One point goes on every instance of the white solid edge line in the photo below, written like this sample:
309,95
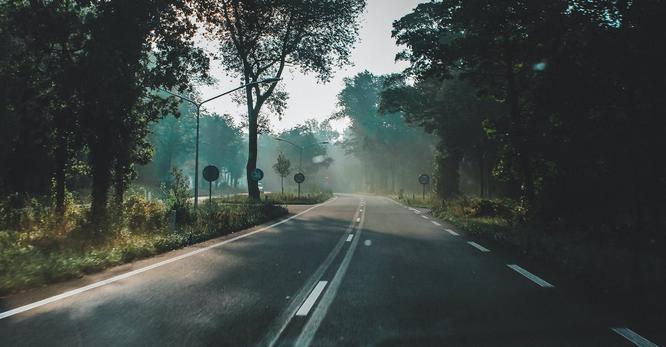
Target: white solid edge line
452,232
312,298
634,338
478,246
350,237
532,277
437,224
424,217
91,286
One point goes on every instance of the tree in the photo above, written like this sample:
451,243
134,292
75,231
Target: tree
379,140
259,38
451,110
283,168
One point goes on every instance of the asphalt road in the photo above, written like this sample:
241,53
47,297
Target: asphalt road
355,271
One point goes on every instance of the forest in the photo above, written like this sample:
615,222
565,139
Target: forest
544,116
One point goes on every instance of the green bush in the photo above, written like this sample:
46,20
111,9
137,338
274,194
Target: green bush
30,259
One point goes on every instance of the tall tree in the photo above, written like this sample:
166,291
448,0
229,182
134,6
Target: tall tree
260,38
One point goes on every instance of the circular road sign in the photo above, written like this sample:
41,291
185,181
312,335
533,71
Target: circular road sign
424,179
211,173
299,177
257,174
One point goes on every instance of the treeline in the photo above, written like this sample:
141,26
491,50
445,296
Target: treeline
78,91
391,153
222,143
560,101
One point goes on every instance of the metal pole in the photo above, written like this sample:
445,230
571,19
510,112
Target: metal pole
424,192
299,190
196,163
210,193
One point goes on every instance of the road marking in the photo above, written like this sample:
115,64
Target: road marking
358,220
310,329
532,277
113,279
478,246
280,323
437,224
424,217
634,338
452,232
350,237
312,298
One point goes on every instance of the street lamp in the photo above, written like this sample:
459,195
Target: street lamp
198,106
300,148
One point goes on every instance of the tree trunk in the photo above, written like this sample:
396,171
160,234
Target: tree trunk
252,185
60,167
282,184
518,138
101,182
448,176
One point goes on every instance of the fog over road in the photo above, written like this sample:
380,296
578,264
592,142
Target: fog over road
356,270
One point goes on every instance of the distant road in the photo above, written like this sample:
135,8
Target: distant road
354,271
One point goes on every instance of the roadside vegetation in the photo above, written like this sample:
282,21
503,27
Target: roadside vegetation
279,198
37,246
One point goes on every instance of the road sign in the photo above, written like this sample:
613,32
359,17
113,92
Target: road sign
211,173
299,178
257,174
424,179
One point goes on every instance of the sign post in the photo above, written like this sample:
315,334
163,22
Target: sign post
211,174
424,179
299,178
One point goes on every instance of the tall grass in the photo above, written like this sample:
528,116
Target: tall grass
37,247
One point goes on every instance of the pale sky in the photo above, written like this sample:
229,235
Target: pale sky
374,51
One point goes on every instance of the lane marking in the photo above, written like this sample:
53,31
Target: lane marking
532,277
437,224
113,279
358,220
634,338
312,298
478,246
350,237
424,217
280,323
310,329
452,232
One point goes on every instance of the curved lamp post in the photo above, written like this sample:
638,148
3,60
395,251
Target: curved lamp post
198,106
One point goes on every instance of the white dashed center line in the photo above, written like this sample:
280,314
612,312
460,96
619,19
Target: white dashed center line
532,277
437,224
478,246
424,217
452,232
350,237
636,339
312,298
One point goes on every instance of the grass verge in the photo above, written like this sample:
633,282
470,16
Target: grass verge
45,253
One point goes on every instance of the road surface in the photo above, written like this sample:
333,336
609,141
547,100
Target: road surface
354,271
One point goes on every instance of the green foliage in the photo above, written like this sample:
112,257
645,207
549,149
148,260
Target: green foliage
38,256
259,38
379,140
574,118
177,194
294,199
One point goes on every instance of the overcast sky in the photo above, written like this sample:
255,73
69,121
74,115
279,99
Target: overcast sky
374,51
